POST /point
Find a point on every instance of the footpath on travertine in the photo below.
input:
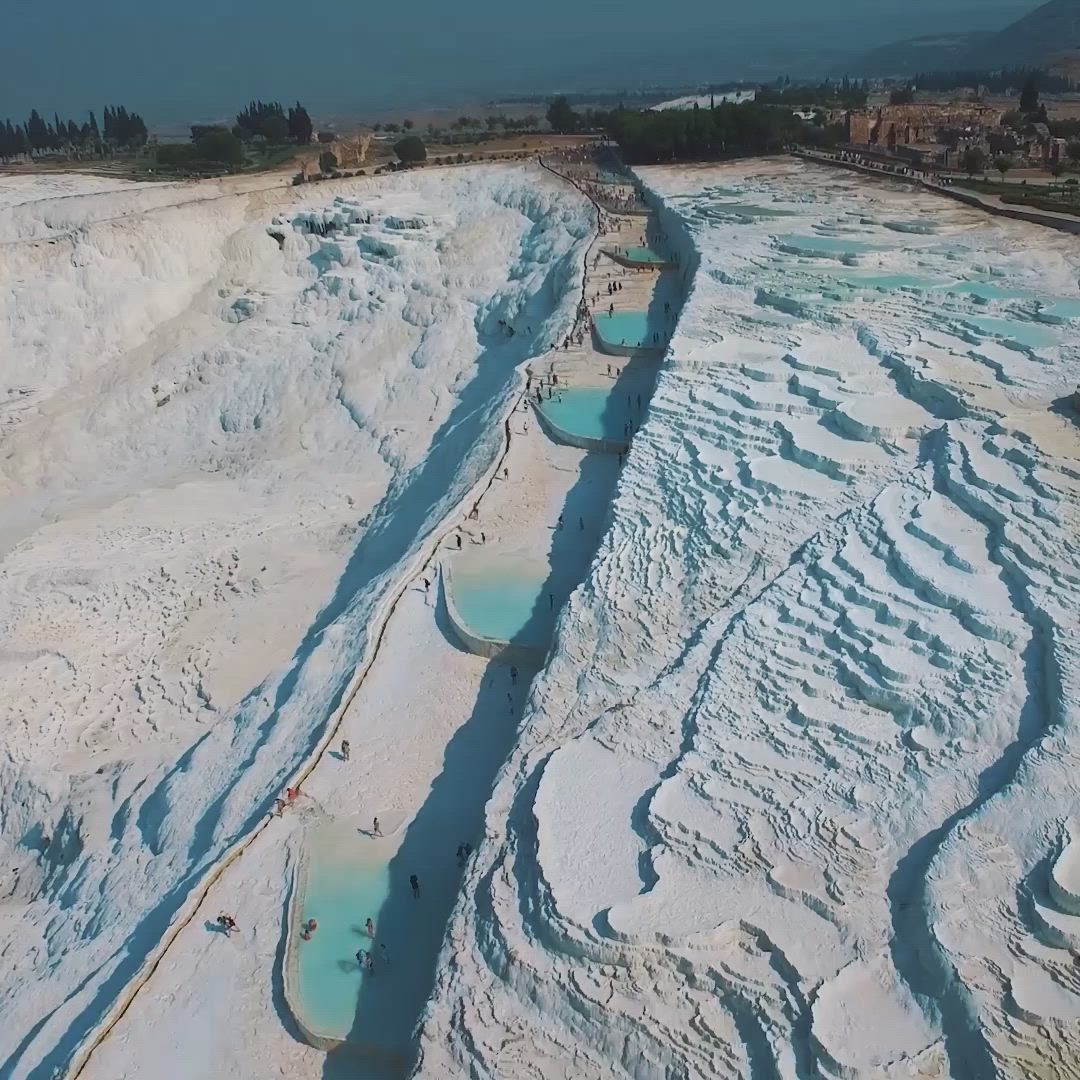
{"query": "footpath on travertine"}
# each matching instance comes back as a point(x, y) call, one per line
point(429, 727)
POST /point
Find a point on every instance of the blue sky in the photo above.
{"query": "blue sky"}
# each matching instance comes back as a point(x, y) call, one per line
point(201, 58)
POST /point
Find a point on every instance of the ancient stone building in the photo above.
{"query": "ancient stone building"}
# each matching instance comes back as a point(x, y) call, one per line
point(890, 126)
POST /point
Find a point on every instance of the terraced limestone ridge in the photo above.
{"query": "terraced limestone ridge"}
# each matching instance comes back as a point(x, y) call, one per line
point(796, 791)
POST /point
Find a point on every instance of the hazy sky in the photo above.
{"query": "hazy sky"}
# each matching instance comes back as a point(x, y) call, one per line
point(200, 58)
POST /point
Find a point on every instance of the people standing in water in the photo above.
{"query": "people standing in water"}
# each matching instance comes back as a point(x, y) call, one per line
point(369, 926)
point(414, 884)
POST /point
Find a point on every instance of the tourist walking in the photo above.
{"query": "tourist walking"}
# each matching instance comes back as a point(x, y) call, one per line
point(375, 830)
point(345, 749)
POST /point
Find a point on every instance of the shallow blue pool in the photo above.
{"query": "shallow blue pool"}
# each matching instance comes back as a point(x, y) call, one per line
point(502, 600)
point(824, 247)
point(592, 412)
point(1028, 335)
point(1062, 307)
point(629, 329)
point(642, 255)
point(346, 883)
point(884, 282)
point(746, 211)
point(987, 290)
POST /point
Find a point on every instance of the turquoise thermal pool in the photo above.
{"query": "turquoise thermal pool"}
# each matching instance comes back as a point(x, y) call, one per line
point(643, 255)
point(629, 330)
point(593, 412)
point(501, 599)
point(346, 882)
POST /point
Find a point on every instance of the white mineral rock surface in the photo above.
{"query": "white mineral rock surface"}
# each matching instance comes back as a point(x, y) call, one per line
point(229, 418)
point(792, 796)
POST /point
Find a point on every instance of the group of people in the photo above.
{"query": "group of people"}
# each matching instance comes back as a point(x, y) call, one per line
point(365, 958)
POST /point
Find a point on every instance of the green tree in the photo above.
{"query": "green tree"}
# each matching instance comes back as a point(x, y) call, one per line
point(328, 161)
point(973, 160)
point(300, 129)
point(1003, 164)
point(37, 131)
point(562, 117)
point(902, 95)
point(410, 150)
point(1029, 95)
point(275, 129)
point(1072, 151)
point(407, 125)
point(217, 144)
point(175, 155)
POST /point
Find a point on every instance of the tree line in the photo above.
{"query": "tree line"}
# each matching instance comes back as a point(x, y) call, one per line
point(995, 82)
point(260, 124)
point(729, 130)
point(845, 94)
point(119, 130)
point(270, 121)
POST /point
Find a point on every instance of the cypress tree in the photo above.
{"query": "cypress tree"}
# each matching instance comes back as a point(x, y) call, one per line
point(300, 128)
point(37, 131)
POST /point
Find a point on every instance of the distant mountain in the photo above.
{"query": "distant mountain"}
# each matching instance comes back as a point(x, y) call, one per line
point(933, 52)
point(1038, 38)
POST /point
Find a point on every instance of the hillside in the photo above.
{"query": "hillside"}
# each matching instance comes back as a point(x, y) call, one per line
point(1043, 35)
point(932, 52)
point(1040, 37)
